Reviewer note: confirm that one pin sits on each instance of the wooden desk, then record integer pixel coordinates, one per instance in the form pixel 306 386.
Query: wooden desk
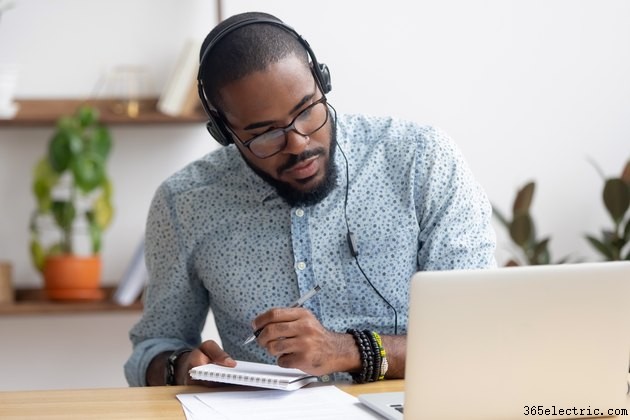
pixel 124 403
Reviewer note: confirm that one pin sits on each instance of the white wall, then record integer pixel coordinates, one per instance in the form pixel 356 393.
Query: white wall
pixel 529 89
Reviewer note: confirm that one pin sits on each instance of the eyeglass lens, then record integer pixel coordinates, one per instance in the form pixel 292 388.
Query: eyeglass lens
pixel 305 123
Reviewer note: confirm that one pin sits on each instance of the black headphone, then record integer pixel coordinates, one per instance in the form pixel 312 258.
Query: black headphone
pixel 216 125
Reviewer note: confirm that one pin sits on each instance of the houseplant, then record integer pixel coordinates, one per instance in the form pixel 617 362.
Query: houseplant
pixel 522 230
pixel 73 195
pixel 614 244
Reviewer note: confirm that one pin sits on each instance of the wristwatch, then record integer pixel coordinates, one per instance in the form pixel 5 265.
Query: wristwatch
pixel 171 362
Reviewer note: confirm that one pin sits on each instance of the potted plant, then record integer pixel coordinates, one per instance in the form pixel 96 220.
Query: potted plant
pixel 73 195
pixel 615 243
pixel 522 230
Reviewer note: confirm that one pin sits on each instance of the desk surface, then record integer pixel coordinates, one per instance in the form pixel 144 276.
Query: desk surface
pixel 125 403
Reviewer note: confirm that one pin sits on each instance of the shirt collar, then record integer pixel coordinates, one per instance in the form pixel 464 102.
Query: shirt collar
pixel 259 189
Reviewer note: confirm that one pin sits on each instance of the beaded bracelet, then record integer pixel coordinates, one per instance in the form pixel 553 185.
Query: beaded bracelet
pixel 365 351
pixel 373 356
pixel 376 373
pixel 383 366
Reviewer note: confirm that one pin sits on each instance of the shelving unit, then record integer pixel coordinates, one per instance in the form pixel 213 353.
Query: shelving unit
pixel 34 302
pixel 45 112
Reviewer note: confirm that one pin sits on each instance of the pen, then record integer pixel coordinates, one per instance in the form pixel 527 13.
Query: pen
pixel 295 304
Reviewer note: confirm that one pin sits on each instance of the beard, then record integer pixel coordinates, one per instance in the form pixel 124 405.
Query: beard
pixel 294 197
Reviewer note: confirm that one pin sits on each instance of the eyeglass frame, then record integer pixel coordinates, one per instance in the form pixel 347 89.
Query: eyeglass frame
pixel 286 129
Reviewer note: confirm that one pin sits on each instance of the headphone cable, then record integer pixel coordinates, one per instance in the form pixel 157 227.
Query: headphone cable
pixel 351 238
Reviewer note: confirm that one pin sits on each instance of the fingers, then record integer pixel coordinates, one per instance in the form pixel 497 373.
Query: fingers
pixel 297 339
pixel 208 352
pixel 276 315
pixel 211 352
pixel 283 323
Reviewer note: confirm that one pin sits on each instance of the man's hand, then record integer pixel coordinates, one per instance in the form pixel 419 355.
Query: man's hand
pixel 208 352
pixel 300 341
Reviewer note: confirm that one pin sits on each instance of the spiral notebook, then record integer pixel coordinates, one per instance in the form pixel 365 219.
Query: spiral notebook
pixel 254 374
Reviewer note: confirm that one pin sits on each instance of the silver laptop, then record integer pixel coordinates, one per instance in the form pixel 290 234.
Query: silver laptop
pixel 517 342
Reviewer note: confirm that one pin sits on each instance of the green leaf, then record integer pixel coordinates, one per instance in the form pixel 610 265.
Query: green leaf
pixel 108 189
pixel 608 236
pixel 89 171
pixel 44 180
pixel 38 256
pixel 103 211
pixel 59 152
pixel 524 199
pixel 540 252
pixel 95 238
pixel 87 115
pixel 543 258
pixel 521 229
pixel 600 246
pixel 57 249
pixel 625 174
pixel 563 260
pixel 626 232
pixel 67 124
pixel 101 142
pixel 64 213
pixel 616 198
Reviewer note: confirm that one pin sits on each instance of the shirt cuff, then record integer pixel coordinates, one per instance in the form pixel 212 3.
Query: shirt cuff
pixel 143 353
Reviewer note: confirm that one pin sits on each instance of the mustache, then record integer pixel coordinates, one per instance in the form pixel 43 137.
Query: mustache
pixel 295 159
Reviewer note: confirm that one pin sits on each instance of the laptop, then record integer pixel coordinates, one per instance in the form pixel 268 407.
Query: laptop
pixel 515 342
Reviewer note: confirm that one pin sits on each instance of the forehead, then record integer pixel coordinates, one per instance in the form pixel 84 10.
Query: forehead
pixel 267 95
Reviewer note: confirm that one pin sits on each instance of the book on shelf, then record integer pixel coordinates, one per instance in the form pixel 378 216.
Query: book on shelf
pixel 134 279
pixel 179 96
pixel 254 374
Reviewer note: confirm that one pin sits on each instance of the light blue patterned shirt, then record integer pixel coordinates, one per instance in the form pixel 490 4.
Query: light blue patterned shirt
pixel 219 237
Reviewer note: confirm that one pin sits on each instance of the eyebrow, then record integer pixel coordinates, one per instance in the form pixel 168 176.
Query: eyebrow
pixel 299 105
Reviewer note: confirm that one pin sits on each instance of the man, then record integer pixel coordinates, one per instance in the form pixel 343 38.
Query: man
pixel 300 197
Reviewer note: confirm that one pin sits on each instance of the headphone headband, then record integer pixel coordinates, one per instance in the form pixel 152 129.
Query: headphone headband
pixel 215 125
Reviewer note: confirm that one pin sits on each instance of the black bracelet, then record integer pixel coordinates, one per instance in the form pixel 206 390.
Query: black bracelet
pixel 171 362
pixel 367 357
pixel 377 356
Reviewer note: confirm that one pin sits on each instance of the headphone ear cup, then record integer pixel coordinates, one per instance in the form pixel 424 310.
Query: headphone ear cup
pixel 325 77
pixel 217 130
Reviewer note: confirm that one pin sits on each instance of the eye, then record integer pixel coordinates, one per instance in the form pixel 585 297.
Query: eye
pixel 305 113
pixel 269 134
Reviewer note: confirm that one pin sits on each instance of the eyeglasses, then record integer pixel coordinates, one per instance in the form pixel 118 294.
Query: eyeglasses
pixel 311 119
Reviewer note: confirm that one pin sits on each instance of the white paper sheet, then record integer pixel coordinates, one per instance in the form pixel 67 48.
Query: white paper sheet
pixel 319 402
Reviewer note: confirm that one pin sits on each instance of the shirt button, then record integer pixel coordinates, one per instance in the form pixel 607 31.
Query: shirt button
pixel 299 212
pixel 301 265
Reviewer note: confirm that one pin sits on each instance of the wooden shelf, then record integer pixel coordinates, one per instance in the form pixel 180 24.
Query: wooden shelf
pixel 34 301
pixel 45 112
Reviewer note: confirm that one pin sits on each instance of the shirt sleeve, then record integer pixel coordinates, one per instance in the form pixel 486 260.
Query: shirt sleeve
pixel 454 212
pixel 175 302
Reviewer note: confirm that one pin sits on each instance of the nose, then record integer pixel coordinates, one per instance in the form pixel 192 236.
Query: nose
pixel 296 143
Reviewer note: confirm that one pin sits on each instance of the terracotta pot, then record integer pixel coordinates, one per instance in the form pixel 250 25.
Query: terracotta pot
pixel 70 277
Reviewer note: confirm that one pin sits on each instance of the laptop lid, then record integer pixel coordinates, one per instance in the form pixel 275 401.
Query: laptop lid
pixel 499 343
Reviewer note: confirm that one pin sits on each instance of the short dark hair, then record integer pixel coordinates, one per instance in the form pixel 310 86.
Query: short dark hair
pixel 247 49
